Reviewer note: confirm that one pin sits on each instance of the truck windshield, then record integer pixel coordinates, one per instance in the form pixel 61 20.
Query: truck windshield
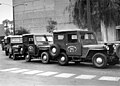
pixel 16 40
pixel 88 38
pixel 50 38
pixel 40 38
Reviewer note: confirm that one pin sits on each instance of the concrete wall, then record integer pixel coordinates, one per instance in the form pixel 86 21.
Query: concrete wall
pixel 35 15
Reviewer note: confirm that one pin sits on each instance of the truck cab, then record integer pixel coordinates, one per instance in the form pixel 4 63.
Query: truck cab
pixel 81 46
pixel 36 46
pixel 13 46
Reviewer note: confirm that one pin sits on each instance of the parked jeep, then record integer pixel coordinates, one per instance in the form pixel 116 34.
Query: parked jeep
pixel 82 46
pixel 37 46
pixel 14 46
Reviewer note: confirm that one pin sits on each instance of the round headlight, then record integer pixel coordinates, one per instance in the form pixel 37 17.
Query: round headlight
pixel 107 47
pixel 21 49
pixel 114 46
pixel 54 50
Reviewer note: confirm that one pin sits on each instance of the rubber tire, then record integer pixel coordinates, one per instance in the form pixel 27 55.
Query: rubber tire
pixel 112 63
pixel 57 50
pixel 104 58
pixel 48 58
pixel 6 53
pixel 28 59
pixel 118 51
pixel 14 57
pixel 77 62
pixel 10 55
pixel 2 48
pixel 61 62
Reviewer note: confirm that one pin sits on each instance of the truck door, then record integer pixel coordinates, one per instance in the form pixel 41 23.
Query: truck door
pixel 73 46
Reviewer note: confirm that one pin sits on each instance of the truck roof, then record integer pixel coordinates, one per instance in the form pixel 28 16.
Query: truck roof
pixel 12 36
pixel 71 30
pixel 37 34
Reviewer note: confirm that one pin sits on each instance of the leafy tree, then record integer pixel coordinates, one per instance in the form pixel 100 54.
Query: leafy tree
pixel 22 31
pixel 6 22
pixel 102 12
pixel 105 10
pixel 51 25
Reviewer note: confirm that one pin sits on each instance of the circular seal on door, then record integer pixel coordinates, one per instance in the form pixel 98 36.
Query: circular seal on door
pixel 71 48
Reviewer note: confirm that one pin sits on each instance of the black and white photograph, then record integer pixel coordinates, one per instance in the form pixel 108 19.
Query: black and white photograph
pixel 59 42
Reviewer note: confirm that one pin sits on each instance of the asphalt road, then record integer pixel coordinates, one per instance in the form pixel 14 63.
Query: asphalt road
pixel 21 73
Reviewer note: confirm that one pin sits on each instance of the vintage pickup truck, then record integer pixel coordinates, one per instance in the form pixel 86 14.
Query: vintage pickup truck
pixel 36 46
pixel 82 46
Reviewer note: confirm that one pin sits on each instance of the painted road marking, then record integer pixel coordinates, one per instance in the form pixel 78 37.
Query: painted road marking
pixel 32 72
pixel 19 71
pixel 64 75
pixel 85 77
pixel 108 78
pixel 49 73
pixel 60 75
pixel 10 69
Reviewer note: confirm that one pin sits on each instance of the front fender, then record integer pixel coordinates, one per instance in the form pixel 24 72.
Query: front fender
pixel 89 52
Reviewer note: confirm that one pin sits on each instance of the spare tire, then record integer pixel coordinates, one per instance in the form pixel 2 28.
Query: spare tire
pixel 54 50
pixel 118 50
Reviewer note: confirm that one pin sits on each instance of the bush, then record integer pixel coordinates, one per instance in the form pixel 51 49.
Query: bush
pixel 21 31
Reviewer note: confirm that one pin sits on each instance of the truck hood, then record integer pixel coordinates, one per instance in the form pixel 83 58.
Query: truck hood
pixel 43 45
pixel 98 46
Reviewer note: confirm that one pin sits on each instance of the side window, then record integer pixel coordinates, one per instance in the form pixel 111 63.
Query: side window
pixel 72 38
pixel 60 37
pixel 25 40
pixel 31 41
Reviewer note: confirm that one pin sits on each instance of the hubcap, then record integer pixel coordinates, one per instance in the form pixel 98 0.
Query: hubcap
pixel 27 56
pixel 44 57
pixel 54 50
pixel 99 60
pixel 62 58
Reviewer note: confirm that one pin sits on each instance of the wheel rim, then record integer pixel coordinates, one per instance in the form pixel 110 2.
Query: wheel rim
pixel 54 50
pixel 62 58
pixel 14 56
pixel 99 60
pixel 44 57
pixel 27 56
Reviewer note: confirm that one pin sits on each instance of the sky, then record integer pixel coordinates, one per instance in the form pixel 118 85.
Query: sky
pixel 6 10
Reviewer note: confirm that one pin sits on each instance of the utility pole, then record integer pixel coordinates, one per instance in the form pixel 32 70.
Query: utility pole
pixel 89 16
pixel 13 20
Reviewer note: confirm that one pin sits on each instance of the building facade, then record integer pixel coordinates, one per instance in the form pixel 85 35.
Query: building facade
pixel 35 14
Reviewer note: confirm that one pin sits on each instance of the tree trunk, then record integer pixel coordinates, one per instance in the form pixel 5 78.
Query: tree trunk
pixel 89 16
pixel 104 32
pixel 111 32
pixel 108 33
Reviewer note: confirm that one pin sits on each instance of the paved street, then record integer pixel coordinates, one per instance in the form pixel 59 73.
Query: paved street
pixel 21 73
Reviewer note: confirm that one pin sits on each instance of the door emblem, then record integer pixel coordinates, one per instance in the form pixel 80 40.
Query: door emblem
pixel 71 49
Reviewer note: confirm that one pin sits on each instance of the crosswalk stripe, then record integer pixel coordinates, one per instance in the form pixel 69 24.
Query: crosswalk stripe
pixel 32 72
pixel 64 75
pixel 60 75
pixel 10 69
pixel 49 73
pixel 108 78
pixel 19 71
pixel 85 77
